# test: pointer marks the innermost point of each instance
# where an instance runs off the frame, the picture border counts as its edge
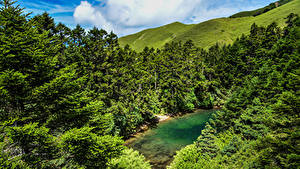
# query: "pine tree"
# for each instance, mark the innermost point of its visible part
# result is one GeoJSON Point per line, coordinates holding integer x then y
{"type": "Point", "coordinates": [25, 59]}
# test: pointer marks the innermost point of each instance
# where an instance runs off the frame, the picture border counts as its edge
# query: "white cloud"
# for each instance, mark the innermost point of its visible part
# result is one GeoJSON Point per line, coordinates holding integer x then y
{"type": "Point", "coordinates": [85, 13]}
{"type": "Point", "coordinates": [129, 16]}
{"type": "Point", "coordinates": [148, 12]}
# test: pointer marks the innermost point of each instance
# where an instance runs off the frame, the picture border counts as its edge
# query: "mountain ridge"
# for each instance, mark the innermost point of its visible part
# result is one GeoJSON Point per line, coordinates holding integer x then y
{"type": "Point", "coordinates": [206, 34]}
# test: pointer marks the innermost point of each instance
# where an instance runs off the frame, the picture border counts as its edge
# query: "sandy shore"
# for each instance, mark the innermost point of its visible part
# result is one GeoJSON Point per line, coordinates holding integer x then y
{"type": "Point", "coordinates": [162, 117]}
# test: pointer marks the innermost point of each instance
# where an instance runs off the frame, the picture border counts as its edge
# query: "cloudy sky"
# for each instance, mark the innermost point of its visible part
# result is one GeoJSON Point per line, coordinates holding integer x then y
{"type": "Point", "coordinates": [124, 17]}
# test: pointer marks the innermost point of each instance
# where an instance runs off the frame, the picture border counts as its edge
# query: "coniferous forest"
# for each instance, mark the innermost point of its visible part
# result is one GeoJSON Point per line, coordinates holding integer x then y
{"type": "Point", "coordinates": [69, 97]}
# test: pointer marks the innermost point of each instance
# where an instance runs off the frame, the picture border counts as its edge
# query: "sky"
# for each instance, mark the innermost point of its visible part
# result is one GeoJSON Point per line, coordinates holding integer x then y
{"type": "Point", "coordinates": [125, 17]}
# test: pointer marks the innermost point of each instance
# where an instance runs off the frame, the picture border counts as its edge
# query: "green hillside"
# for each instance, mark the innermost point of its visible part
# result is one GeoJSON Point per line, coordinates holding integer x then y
{"type": "Point", "coordinates": [205, 34]}
{"type": "Point", "coordinates": [155, 37]}
{"type": "Point", "coordinates": [260, 10]}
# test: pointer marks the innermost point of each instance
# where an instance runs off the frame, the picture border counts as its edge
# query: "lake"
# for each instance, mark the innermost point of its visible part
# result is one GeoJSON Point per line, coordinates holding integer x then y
{"type": "Point", "coordinates": [160, 144]}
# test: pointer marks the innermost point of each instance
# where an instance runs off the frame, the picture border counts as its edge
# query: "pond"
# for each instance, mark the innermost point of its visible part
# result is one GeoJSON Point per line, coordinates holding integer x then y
{"type": "Point", "coordinates": [160, 144]}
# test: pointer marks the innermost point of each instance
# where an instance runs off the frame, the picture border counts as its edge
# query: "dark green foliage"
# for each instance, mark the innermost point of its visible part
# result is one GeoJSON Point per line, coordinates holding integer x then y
{"type": "Point", "coordinates": [14, 91]}
{"type": "Point", "coordinates": [26, 59]}
{"type": "Point", "coordinates": [282, 148]}
{"type": "Point", "coordinates": [232, 147]}
{"type": "Point", "coordinates": [44, 23]}
{"type": "Point", "coordinates": [66, 96]}
{"type": "Point", "coordinates": [206, 141]}
{"type": "Point", "coordinates": [36, 144]}
{"type": "Point", "coordinates": [7, 162]}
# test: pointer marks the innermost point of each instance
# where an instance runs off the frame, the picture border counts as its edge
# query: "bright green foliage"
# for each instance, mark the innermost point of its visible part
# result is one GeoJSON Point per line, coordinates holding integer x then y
{"type": "Point", "coordinates": [187, 158]}
{"type": "Point", "coordinates": [102, 124]}
{"type": "Point", "coordinates": [37, 146]}
{"type": "Point", "coordinates": [129, 159]}
{"type": "Point", "coordinates": [89, 150]}
{"type": "Point", "coordinates": [7, 162]}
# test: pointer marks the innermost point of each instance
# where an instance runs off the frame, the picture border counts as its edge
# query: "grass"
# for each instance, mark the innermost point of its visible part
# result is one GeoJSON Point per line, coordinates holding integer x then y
{"type": "Point", "coordinates": [206, 34]}
{"type": "Point", "coordinates": [260, 10]}
{"type": "Point", "coordinates": [155, 37]}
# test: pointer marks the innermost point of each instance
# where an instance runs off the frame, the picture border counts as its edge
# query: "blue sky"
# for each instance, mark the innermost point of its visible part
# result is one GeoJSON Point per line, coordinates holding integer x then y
{"type": "Point", "coordinates": [124, 17]}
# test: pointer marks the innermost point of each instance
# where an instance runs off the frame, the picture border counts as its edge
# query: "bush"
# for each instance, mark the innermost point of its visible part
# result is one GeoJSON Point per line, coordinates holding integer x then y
{"type": "Point", "coordinates": [88, 150]}
{"type": "Point", "coordinates": [130, 159]}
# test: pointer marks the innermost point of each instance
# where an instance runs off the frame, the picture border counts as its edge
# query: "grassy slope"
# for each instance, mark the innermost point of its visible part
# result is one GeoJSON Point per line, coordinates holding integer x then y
{"type": "Point", "coordinates": [260, 10]}
{"type": "Point", "coordinates": [206, 34]}
{"type": "Point", "coordinates": [155, 37]}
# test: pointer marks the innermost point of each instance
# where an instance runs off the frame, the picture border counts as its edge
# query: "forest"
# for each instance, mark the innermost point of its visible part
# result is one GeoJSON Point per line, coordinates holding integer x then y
{"type": "Point", "coordinates": [69, 97]}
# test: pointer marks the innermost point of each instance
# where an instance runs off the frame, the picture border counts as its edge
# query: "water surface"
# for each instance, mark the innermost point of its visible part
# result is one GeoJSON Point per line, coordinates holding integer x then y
{"type": "Point", "coordinates": [160, 144]}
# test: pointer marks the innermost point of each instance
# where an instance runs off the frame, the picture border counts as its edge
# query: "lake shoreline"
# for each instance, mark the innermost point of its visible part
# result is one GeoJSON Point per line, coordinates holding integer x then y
{"type": "Point", "coordinates": [162, 117]}
{"type": "Point", "coordinates": [159, 119]}
{"type": "Point", "coordinates": [159, 143]}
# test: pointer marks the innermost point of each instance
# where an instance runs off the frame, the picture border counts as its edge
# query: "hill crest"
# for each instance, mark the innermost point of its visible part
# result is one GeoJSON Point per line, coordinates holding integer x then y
{"type": "Point", "coordinates": [206, 34]}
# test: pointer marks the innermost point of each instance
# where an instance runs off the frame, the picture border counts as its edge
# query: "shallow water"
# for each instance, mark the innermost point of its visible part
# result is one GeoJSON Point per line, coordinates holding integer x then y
{"type": "Point", "coordinates": [160, 144]}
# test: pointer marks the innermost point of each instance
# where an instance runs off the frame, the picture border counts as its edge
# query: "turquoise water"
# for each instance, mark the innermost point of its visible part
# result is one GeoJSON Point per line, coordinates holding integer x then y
{"type": "Point", "coordinates": [160, 144]}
